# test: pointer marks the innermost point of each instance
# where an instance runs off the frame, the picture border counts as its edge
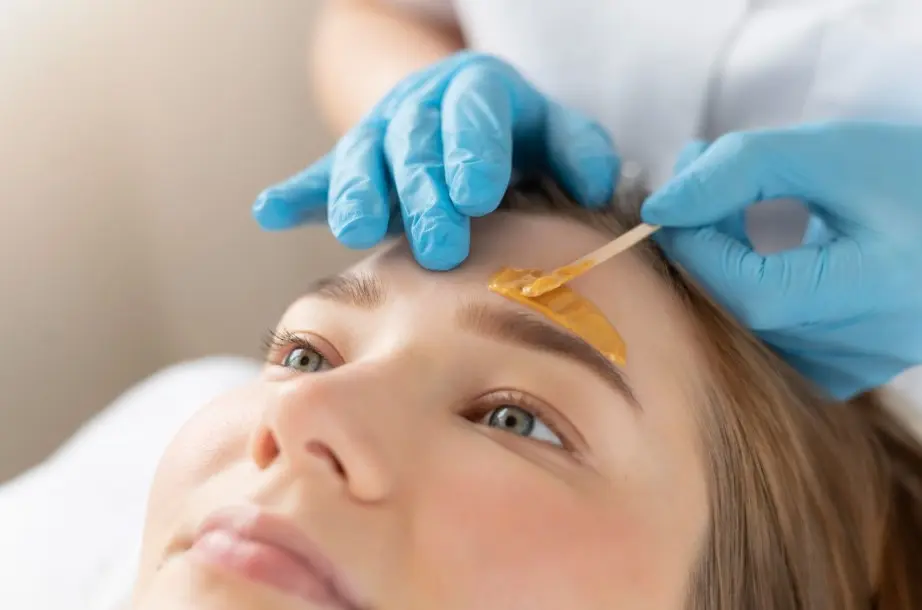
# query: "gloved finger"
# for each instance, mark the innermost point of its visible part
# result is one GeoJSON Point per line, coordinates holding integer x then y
{"type": "Point", "coordinates": [359, 208]}
{"type": "Point", "coordinates": [734, 225]}
{"type": "Point", "coordinates": [298, 200]}
{"type": "Point", "coordinates": [689, 153]}
{"type": "Point", "coordinates": [785, 289]}
{"type": "Point", "coordinates": [737, 170]}
{"type": "Point", "coordinates": [477, 138]}
{"type": "Point", "coordinates": [575, 149]}
{"type": "Point", "coordinates": [580, 155]}
{"type": "Point", "coordinates": [439, 234]}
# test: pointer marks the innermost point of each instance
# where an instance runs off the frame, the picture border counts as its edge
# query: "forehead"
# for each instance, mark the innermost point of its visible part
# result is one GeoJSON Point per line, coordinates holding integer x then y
{"type": "Point", "coordinates": [642, 307]}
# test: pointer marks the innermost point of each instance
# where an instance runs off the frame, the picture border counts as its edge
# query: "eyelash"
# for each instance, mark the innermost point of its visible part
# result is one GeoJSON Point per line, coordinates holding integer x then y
{"type": "Point", "coordinates": [278, 344]}
{"type": "Point", "coordinates": [514, 398]}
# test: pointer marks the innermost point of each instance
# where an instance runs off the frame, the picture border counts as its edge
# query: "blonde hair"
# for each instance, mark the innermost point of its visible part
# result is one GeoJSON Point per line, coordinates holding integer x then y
{"type": "Point", "coordinates": [815, 504]}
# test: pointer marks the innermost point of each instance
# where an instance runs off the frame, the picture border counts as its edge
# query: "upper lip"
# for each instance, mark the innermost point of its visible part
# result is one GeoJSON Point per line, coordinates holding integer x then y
{"type": "Point", "coordinates": [259, 525]}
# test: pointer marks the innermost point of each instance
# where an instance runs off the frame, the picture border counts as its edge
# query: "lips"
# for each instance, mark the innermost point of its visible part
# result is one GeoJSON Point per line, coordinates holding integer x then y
{"type": "Point", "coordinates": [273, 551]}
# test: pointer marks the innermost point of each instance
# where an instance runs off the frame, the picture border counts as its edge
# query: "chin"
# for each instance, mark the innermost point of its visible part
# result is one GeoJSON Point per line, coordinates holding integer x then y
{"type": "Point", "coordinates": [181, 584]}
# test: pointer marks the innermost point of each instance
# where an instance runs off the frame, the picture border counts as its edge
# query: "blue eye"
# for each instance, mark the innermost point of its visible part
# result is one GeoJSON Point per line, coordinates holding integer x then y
{"type": "Point", "coordinates": [306, 360]}
{"type": "Point", "coordinates": [296, 352]}
{"type": "Point", "coordinates": [521, 422]}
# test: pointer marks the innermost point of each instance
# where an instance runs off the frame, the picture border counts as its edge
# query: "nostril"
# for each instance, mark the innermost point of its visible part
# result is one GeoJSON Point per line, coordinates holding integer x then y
{"type": "Point", "coordinates": [265, 449]}
{"type": "Point", "coordinates": [323, 451]}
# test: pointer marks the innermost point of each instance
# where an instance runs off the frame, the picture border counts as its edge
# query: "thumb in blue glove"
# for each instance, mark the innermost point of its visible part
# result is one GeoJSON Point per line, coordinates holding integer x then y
{"type": "Point", "coordinates": [846, 310]}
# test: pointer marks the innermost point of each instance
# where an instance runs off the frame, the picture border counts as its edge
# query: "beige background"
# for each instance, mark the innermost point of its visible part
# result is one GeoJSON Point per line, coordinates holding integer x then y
{"type": "Point", "coordinates": [133, 138]}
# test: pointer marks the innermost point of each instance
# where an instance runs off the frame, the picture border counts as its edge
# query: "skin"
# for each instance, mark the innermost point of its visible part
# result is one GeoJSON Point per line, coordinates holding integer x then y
{"type": "Point", "coordinates": [379, 41]}
{"type": "Point", "coordinates": [416, 500]}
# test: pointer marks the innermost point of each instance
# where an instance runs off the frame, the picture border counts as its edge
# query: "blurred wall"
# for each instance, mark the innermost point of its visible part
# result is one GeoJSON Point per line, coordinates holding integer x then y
{"type": "Point", "coordinates": [133, 138]}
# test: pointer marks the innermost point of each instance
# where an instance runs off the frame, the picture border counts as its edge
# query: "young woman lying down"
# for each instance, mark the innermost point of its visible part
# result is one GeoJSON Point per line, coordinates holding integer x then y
{"type": "Point", "coordinates": [417, 442]}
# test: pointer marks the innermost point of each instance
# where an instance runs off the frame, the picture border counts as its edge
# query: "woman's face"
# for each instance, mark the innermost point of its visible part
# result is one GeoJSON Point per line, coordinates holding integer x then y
{"type": "Point", "coordinates": [440, 447]}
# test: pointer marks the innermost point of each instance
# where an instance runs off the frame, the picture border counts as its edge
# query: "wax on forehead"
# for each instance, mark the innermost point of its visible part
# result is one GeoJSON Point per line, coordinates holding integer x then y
{"type": "Point", "coordinates": [565, 307]}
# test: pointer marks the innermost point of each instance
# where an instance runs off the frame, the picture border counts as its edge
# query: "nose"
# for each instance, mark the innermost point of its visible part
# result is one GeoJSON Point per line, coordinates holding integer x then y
{"type": "Point", "coordinates": [334, 425]}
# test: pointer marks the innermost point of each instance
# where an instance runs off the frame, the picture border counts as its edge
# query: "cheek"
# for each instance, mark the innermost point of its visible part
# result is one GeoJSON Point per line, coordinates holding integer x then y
{"type": "Point", "coordinates": [506, 532]}
{"type": "Point", "coordinates": [197, 462]}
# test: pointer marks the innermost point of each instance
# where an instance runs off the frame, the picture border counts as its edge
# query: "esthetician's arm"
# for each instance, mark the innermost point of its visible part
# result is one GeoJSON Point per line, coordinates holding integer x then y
{"type": "Point", "coordinates": [362, 48]}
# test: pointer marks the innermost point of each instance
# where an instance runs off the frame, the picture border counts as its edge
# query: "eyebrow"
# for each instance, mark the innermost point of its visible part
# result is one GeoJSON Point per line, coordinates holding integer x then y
{"type": "Point", "coordinates": [359, 290]}
{"type": "Point", "coordinates": [366, 291]}
{"type": "Point", "coordinates": [528, 330]}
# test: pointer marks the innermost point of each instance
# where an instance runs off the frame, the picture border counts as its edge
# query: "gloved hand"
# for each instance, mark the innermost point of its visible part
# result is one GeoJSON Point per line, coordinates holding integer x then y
{"type": "Point", "coordinates": [442, 141]}
{"type": "Point", "coordinates": [846, 312]}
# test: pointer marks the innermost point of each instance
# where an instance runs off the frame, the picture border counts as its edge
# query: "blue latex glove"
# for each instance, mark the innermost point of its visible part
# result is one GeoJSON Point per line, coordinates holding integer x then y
{"type": "Point", "coordinates": [442, 141]}
{"type": "Point", "coordinates": [846, 312]}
